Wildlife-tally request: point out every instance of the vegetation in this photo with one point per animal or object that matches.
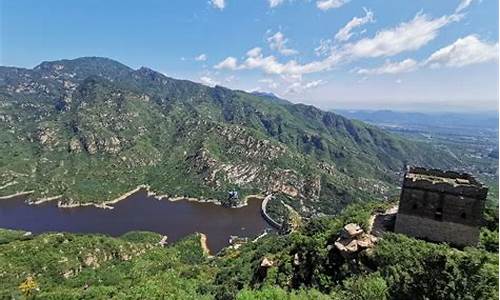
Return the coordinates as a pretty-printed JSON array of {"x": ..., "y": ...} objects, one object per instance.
[
  {"x": 92, "y": 129},
  {"x": 135, "y": 266}
]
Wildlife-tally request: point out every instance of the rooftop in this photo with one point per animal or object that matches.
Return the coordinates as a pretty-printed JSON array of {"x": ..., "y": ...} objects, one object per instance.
[{"x": 434, "y": 176}]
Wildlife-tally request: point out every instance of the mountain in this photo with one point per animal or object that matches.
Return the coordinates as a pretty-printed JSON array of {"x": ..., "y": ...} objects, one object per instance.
[
  {"x": 446, "y": 122},
  {"x": 91, "y": 129},
  {"x": 271, "y": 97}
]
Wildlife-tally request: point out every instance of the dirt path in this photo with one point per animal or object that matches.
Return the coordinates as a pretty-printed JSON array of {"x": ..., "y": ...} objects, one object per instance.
[
  {"x": 203, "y": 242},
  {"x": 382, "y": 222}
]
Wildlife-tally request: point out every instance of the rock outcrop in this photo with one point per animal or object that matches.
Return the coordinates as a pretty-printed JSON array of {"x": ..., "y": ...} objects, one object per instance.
[{"x": 353, "y": 240}]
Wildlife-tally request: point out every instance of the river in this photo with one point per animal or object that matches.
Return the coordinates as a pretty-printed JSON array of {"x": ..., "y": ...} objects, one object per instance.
[{"x": 176, "y": 219}]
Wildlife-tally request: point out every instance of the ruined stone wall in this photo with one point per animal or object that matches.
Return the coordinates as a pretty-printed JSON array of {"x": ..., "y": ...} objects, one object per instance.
[
  {"x": 437, "y": 231},
  {"x": 445, "y": 174},
  {"x": 442, "y": 208}
]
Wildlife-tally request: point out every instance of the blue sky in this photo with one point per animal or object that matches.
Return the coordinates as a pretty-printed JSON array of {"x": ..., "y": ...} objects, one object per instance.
[{"x": 406, "y": 55}]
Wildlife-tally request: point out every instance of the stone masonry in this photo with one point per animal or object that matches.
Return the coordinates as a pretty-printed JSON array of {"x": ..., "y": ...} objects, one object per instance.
[{"x": 441, "y": 206}]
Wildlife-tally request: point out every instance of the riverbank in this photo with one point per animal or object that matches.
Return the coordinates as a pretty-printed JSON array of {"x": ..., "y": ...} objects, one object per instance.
[
  {"x": 109, "y": 204},
  {"x": 176, "y": 220},
  {"x": 204, "y": 245},
  {"x": 18, "y": 194}
]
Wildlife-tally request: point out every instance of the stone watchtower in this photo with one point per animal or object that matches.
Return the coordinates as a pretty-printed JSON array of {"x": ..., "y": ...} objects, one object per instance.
[{"x": 441, "y": 206}]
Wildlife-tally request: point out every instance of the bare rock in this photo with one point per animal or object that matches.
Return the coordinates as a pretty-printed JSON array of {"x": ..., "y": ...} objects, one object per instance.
[
  {"x": 296, "y": 260},
  {"x": 163, "y": 241},
  {"x": 351, "y": 230},
  {"x": 266, "y": 263},
  {"x": 354, "y": 240},
  {"x": 75, "y": 146}
]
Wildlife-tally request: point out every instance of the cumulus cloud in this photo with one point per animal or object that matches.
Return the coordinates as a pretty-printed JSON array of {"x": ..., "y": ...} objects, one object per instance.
[
  {"x": 274, "y": 3},
  {"x": 406, "y": 65},
  {"x": 254, "y": 52},
  {"x": 220, "y": 4},
  {"x": 464, "y": 51},
  {"x": 405, "y": 37},
  {"x": 208, "y": 81},
  {"x": 329, "y": 4},
  {"x": 299, "y": 86},
  {"x": 230, "y": 63},
  {"x": 201, "y": 57},
  {"x": 278, "y": 43},
  {"x": 270, "y": 64},
  {"x": 271, "y": 83},
  {"x": 345, "y": 33}
]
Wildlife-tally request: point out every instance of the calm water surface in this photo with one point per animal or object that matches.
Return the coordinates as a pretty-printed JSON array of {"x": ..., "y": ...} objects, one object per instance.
[{"x": 139, "y": 212}]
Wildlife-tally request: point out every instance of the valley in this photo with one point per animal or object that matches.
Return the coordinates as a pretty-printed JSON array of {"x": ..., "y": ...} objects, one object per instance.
[
  {"x": 89, "y": 145},
  {"x": 91, "y": 129}
]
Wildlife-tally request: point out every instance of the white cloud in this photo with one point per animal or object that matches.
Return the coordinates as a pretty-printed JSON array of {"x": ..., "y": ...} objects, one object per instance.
[
  {"x": 220, "y": 4},
  {"x": 278, "y": 43},
  {"x": 229, "y": 79},
  {"x": 463, "y": 5},
  {"x": 254, "y": 52},
  {"x": 274, "y": 3},
  {"x": 230, "y": 63},
  {"x": 271, "y": 83},
  {"x": 270, "y": 64},
  {"x": 464, "y": 51},
  {"x": 201, "y": 57},
  {"x": 328, "y": 4},
  {"x": 345, "y": 33},
  {"x": 406, "y": 65},
  {"x": 208, "y": 81},
  {"x": 324, "y": 47},
  {"x": 406, "y": 36},
  {"x": 299, "y": 86}
]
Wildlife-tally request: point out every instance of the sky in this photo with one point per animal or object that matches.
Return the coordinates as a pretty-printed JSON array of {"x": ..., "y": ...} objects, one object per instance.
[{"x": 373, "y": 54}]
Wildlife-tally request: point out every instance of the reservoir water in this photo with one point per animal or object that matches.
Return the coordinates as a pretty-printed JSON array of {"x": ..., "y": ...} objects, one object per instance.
[{"x": 139, "y": 212}]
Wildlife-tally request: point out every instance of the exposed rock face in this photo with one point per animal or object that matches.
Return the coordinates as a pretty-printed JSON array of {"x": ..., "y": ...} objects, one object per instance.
[
  {"x": 351, "y": 230},
  {"x": 266, "y": 263},
  {"x": 252, "y": 166},
  {"x": 90, "y": 144},
  {"x": 254, "y": 148},
  {"x": 46, "y": 136},
  {"x": 290, "y": 183},
  {"x": 75, "y": 146},
  {"x": 108, "y": 145}
]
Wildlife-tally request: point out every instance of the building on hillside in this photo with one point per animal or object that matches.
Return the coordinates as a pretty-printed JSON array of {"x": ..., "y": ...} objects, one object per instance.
[{"x": 441, "y": 206}]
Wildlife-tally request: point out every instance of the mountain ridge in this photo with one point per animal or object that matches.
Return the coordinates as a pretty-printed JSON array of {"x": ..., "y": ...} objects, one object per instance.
[{"x": 92, "y": 128}]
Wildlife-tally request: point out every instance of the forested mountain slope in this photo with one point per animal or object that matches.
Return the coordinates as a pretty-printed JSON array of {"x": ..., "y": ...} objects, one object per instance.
[{"x": 91, "y": 129}]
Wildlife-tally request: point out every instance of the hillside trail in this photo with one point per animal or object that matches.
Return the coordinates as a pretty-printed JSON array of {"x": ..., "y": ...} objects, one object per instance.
[{"x": 381, "y": 222}]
